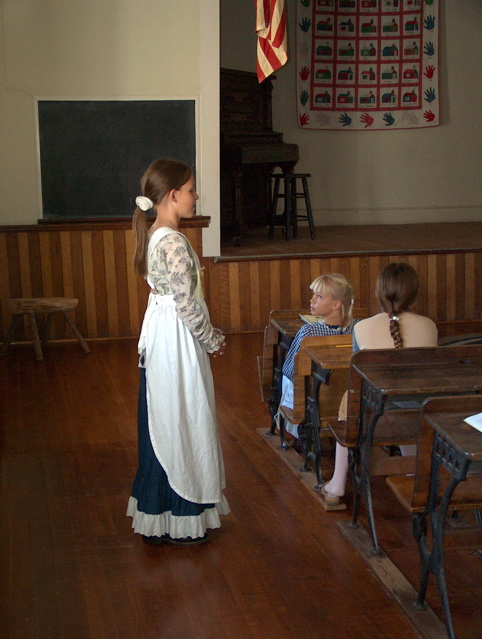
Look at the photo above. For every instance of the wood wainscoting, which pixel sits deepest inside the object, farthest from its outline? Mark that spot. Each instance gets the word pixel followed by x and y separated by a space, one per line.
pixel 241 293
pixel 90 261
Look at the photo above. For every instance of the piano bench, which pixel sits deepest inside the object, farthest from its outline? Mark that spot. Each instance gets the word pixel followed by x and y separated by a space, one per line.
pixel 290 196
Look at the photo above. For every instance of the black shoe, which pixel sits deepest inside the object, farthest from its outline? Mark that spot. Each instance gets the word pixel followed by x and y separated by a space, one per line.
pixel 167 539
pixel 184 541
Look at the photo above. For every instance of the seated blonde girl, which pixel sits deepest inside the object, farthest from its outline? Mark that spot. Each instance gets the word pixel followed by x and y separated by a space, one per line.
pixel 332 301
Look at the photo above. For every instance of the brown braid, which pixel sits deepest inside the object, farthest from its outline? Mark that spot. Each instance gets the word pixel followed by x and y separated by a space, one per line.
pixel 396 291
pixel 395 331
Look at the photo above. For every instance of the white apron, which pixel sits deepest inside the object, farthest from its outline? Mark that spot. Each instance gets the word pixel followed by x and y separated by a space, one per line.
pixel 180 397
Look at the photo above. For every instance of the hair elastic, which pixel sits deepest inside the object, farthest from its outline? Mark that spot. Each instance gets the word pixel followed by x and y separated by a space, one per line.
pixel 394 318
pixel 144 203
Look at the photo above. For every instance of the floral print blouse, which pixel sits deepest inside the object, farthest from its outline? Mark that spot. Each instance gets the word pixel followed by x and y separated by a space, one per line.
pixel 172 271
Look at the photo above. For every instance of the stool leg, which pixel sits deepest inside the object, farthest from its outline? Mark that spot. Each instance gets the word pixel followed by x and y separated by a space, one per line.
pixel 308 208
pixel 11 332
pixel 76 332
pixel 287 211
pixel 294 207
pixel 48 326
pixel 35 336
pixel 274 206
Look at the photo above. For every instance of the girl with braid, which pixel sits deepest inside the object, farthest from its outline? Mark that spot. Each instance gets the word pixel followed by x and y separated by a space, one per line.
pixel 395 327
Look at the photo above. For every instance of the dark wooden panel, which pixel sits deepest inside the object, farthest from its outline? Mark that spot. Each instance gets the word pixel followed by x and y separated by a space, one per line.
pixel 122 262
pixel 94 264
pixel 35 271
pixel 99 285
pixel 79 281
pixel 447 284
pixel 89 261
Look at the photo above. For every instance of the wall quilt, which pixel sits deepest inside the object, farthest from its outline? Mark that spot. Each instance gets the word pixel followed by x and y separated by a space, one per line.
pixel 367 64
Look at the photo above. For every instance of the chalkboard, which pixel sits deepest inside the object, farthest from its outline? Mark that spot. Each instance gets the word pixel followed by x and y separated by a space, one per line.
pixel 93 153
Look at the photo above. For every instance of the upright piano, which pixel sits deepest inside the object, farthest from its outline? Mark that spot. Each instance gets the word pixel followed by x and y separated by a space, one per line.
pixel 250 151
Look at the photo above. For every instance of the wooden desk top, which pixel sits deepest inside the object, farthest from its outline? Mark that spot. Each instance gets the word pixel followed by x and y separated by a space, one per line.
pixel 288 323
pixel 287 326
pixel 461 436
pixel 329 356
pixel 451 377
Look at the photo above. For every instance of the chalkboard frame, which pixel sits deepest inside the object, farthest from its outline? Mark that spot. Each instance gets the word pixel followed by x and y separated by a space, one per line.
pixel 92 153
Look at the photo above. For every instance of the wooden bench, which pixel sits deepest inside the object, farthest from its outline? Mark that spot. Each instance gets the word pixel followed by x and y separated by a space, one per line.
pixel 439 487
pixel 42 306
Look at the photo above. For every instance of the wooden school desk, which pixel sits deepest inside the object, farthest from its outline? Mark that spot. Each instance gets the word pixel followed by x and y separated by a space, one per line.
pixel 448 477
pixel 322 407
pixel 379 378
pixel 279 333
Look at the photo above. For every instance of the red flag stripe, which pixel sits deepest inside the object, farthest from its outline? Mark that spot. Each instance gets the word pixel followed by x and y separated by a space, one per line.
pixel 281 31
pixel 272 37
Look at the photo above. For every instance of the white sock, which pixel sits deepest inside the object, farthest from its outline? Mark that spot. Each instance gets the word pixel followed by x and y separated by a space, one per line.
pixel 336 485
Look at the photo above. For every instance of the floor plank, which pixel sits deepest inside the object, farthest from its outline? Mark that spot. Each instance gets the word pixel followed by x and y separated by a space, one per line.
pixel 70 565
pixel 356 240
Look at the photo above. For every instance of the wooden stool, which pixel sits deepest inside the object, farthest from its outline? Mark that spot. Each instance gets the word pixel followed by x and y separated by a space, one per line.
pixel 41 306
pixel 290 216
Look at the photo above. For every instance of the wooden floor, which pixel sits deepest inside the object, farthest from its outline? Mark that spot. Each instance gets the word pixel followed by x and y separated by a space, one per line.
pixel 279 567
pixel 356 240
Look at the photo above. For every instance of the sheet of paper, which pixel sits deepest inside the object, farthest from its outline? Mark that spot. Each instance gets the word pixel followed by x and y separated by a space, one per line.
pixel 475 421
pixel 311 319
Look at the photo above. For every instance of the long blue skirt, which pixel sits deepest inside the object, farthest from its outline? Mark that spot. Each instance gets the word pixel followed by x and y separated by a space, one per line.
pixel 151 487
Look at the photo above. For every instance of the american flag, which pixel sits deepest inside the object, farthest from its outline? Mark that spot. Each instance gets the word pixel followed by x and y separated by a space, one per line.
pixel 272 37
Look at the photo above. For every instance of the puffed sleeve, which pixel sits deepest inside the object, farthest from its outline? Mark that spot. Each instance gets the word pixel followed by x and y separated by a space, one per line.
pixel 182 273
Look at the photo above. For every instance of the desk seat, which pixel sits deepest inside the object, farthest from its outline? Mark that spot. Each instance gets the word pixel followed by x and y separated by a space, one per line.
pixel 467 495
pixel 394 428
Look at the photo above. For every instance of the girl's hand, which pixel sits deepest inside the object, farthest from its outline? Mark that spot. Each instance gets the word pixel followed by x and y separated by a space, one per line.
pixel 220 350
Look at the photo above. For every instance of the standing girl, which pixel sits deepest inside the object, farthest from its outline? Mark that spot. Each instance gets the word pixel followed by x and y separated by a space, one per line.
pixel 395 327
pixel 177 491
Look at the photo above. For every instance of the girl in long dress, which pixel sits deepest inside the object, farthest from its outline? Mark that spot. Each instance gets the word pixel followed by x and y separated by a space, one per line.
pixel 177 492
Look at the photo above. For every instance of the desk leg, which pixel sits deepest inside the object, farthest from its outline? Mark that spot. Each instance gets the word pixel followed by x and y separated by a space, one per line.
pixel 312 446
pixel 432 561
pixel 279 354
pixel 275 398
pixel 282 433
pixel 361 459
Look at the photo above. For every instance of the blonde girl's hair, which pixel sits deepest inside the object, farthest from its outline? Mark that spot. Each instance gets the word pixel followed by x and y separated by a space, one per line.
pixel 161 177
pixel 396 291
pixel 340 289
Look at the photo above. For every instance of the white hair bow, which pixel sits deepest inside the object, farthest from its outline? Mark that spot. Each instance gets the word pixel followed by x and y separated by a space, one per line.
pixel 144 203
